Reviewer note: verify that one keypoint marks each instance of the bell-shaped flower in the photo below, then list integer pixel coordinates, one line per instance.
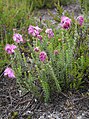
(65, 22)
(9, 72)
(80, 20)
(18, 38)
(42, 56)
(10, 49)
(50, 33)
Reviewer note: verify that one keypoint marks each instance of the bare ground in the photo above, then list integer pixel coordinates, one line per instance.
(61, 106)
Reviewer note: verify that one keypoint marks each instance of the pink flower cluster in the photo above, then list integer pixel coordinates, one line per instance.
(39, 37)
(36, 49)
(65, 22)
(56, 52)
(42, 56)
(35, 31)
(80, 20)
(18, 38)
(10, 49)
(50, 33)
(9, 72)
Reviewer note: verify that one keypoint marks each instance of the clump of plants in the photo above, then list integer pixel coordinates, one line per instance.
(49, 60)
(17, 14)
(13, 15)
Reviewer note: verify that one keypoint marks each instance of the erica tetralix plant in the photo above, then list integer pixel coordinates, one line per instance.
(65, 22)
(42, 56)
(50, 33)
(80, 20)
(9, 73)
(10, 48)
(18, 38)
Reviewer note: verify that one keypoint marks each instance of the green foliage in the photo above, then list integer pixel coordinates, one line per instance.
(65, 2)
(3, 57)
(59, 6)
(84, 5)
(42, 3)
(13, 15)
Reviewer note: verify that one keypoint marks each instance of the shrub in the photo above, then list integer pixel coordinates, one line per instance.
(52, 64)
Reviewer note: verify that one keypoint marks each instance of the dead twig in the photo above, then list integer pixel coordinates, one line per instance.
(78, 99)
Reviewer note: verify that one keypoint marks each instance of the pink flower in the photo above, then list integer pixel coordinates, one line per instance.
(50, 33)
(56, 52)
(31, 30)
(18, 38)
(34, 31)
(42, 56)
(39, 37)
(36, 49)
(10, 48)
(9, 72)
(65, 22)
(80, 20)
(38, 29)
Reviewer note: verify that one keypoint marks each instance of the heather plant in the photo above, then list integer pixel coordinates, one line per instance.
(57, 60)
(46, 60)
